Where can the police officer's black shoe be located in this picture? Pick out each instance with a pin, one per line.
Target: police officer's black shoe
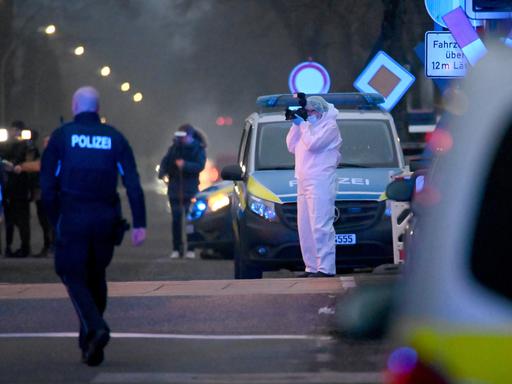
(8, 252)
(94, 356)
(306, 274)
(322, 274)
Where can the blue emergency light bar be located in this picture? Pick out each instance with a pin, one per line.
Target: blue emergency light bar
(339, 100)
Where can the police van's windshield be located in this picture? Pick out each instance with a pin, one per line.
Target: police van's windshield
(366, 143)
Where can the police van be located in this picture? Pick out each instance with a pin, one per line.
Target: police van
(264, 206)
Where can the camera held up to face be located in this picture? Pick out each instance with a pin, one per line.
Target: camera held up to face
(290, 114)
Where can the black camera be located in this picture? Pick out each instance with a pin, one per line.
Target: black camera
(301, 112)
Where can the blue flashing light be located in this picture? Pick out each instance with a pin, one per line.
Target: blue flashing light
(402, 360)
(197, 209)
(373, 98)
(272, 101)
(262, 250)
(352, 99)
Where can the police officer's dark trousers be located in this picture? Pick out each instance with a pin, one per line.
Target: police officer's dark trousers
(84, 249)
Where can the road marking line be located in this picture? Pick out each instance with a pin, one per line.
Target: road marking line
(348, 282)
(121, 335)
(241, 378)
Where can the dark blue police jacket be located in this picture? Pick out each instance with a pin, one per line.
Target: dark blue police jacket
(81, 165)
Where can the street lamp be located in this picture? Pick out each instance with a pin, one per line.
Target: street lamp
(105, 71)
(125, 87)
(50, 29)
(79, 51)
(137, 97)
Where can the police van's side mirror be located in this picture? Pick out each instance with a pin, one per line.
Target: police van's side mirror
(401, 190)
(232, 172)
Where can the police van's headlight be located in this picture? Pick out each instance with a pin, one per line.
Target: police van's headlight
(263, 208)
(218, 201)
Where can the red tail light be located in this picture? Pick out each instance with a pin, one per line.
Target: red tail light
(401, 255)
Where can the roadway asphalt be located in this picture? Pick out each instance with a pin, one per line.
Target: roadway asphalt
(264, 331)
(182, 321)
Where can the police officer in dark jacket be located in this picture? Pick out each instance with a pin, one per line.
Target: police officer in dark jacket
(184, 160)
(79, 172)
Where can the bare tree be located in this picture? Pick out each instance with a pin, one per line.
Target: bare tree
(306, 24)
(11, 43)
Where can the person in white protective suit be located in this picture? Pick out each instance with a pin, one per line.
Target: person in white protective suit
(316, 145)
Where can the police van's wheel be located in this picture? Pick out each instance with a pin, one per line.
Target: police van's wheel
(243, 268)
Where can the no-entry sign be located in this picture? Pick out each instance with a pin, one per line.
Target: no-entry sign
(438, 8)
(309, 77)
(443, 56)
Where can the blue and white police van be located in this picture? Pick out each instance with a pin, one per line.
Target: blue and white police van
(264, 206)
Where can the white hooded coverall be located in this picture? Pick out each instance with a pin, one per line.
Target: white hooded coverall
(317, 155)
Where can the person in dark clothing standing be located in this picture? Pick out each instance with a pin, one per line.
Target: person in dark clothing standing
(17, 194)
(33, 166)
(184, 160)
(44, 222)
(3, 178)
(79, 173)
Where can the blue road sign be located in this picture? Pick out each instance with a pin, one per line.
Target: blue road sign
(385, 76)
(438, 8)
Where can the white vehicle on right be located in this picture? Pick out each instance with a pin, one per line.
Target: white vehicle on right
(454, 313)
